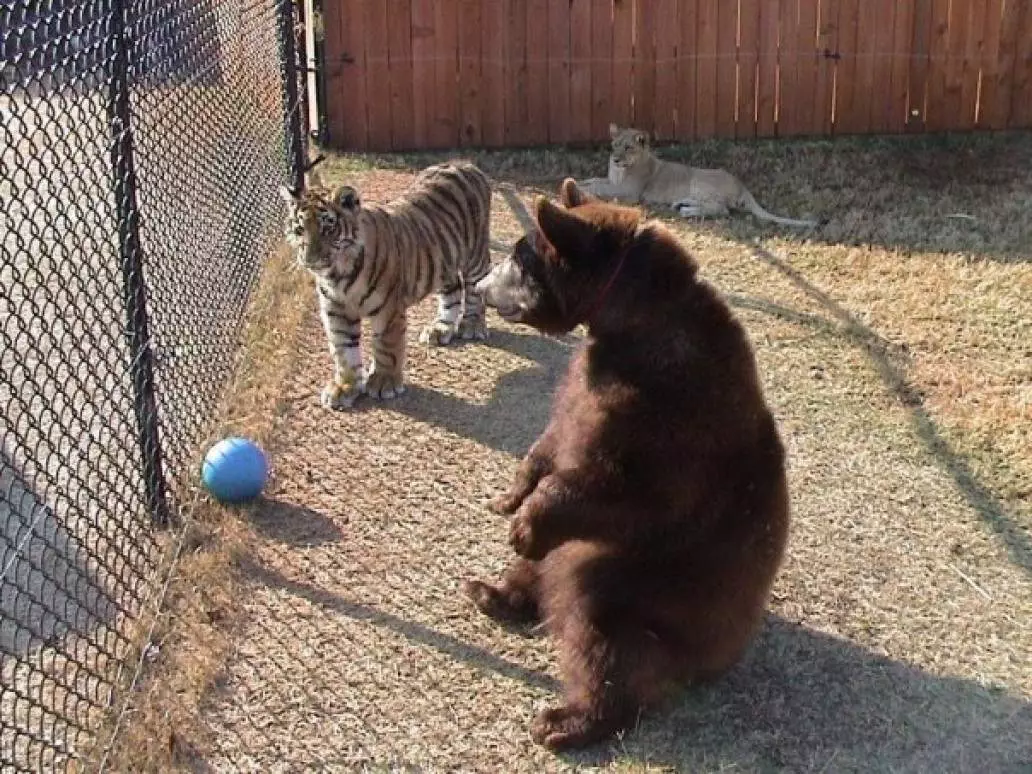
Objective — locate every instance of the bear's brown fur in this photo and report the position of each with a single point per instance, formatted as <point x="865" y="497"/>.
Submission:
<point x="651" y="515"/>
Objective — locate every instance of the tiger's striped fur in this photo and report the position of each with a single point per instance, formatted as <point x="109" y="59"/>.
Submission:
<point x="374" y="261"/>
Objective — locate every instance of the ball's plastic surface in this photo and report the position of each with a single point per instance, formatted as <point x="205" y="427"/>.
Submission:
<point x="235" y="470"/>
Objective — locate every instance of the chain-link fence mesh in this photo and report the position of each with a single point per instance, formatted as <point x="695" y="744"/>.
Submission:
<point x="142" y="143"/>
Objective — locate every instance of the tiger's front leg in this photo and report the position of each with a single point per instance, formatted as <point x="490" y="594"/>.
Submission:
<point x="386" y="380"/>
<point x="344" y="333"/>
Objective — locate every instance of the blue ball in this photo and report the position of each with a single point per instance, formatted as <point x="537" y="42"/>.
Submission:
<point x="235" y="470"/>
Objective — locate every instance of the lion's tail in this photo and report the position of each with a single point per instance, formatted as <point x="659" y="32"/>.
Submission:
<point x="749" y="202"/>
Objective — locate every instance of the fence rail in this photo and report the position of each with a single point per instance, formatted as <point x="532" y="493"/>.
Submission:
<point x="411" y="74"/>
<point x="140" y="149"/>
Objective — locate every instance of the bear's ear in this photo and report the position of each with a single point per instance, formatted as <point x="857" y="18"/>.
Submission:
<point x="568" y="234"/>
<point x="572" y="196"/>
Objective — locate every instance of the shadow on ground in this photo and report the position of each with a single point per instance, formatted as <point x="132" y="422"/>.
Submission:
<point x="888" y="363"/>
<point x="520" y="402"/>
<point x="771" y="712"/>
<point x="292" y="524"/>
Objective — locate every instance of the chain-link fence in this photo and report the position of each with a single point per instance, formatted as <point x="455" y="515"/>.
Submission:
<point x="142" y="143"/>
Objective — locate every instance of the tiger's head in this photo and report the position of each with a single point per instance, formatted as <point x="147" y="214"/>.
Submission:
<point x="323" y="227"/>
<point x="628" y="147"/>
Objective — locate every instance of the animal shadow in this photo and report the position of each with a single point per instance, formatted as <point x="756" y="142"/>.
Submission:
<point x="292" y="524"/>
<point x="802" y="701"/>
<point x="520" y="402"/>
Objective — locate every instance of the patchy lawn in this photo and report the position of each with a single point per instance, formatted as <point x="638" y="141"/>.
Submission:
<point x="895" y="343"/>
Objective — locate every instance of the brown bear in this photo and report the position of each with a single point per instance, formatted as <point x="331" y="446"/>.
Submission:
<point x="651" y="515"/>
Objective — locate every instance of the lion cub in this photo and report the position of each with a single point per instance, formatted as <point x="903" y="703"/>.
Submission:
<point x="636" y="175"/>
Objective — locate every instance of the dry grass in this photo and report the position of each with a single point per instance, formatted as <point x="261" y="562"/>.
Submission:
<point x="900" y="634"/>
<point x="192" y="635"/>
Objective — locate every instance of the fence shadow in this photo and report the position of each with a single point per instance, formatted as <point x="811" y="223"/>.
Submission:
<point x="48" y="588"/>
<point x="886" y="361"/>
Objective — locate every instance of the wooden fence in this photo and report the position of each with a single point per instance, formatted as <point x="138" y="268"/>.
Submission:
<point x="405" y="74"/>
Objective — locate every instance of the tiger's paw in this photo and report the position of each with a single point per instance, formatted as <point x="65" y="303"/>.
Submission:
<point x="339" y="396"/>
<point x="440" y="334"/>
<point x="473" y="329"/>
<point x="384" y="386"/>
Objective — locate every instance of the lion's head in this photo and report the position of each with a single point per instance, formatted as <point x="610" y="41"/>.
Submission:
<point x="628" y="147"/>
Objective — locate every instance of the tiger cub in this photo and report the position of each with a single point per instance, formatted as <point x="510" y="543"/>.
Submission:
<point x="374" y="261"/>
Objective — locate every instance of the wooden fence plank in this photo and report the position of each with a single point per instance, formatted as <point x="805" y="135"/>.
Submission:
<point x="868" y="20"/>
<point x="997" y="96"/>
<point x="601" y="70"/>
<point x="807" y="65"/>
<point x="470" y="60"/>
<point x="1021" y="92"/>
<point x="492" y="74"/>
<point x="767" y="68"/>
<point x="920" y="66"/>
<point x="972" y="65"/>
<point x="727" y="67"/>
<point x="880" y="119"/>
<point x="580" y="70"/>
<point x="953" y="107"/>
<point x="667" y="31"/>
<point x="378" y="75"/>
<point x="706" y="82"/>
<point x="537" y="71"/>
<point x="748" y="53"/>
<point x="399" y="32"/>
<point x="989" y="65"/>
<point x="826" y="37"/>
<point x="351" y="83"/>
<point x="558" y="72"/>
<point x="788" y="54"/>
<point x="938" y="51"/>
<point x="516" y="115"/>
<point x="444" y="131"/>
<point x="422" y="71"/>
<point x="623" y="67"/>
<point x="902" y="36"/>
<point x="645" y="65"/>
<point x="334" y="77"/>
<point x="847" y="70"/>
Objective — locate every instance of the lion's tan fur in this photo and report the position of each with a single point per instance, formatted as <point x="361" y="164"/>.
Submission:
<point x="638" y="176"/>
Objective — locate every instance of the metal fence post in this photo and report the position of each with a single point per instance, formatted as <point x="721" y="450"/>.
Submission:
<point x="141" y="363"/>
<point x="292" y="100"/>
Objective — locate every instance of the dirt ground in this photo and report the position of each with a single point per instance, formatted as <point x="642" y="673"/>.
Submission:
<point x="895" y="344"/>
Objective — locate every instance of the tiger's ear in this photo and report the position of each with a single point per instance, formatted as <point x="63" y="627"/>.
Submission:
<point x="614" y="130"/>
<point x="572" y="196"/>
<point x="569" y="235"/>
<point x="347" y="198"/>
<point x="642" y="138"/>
